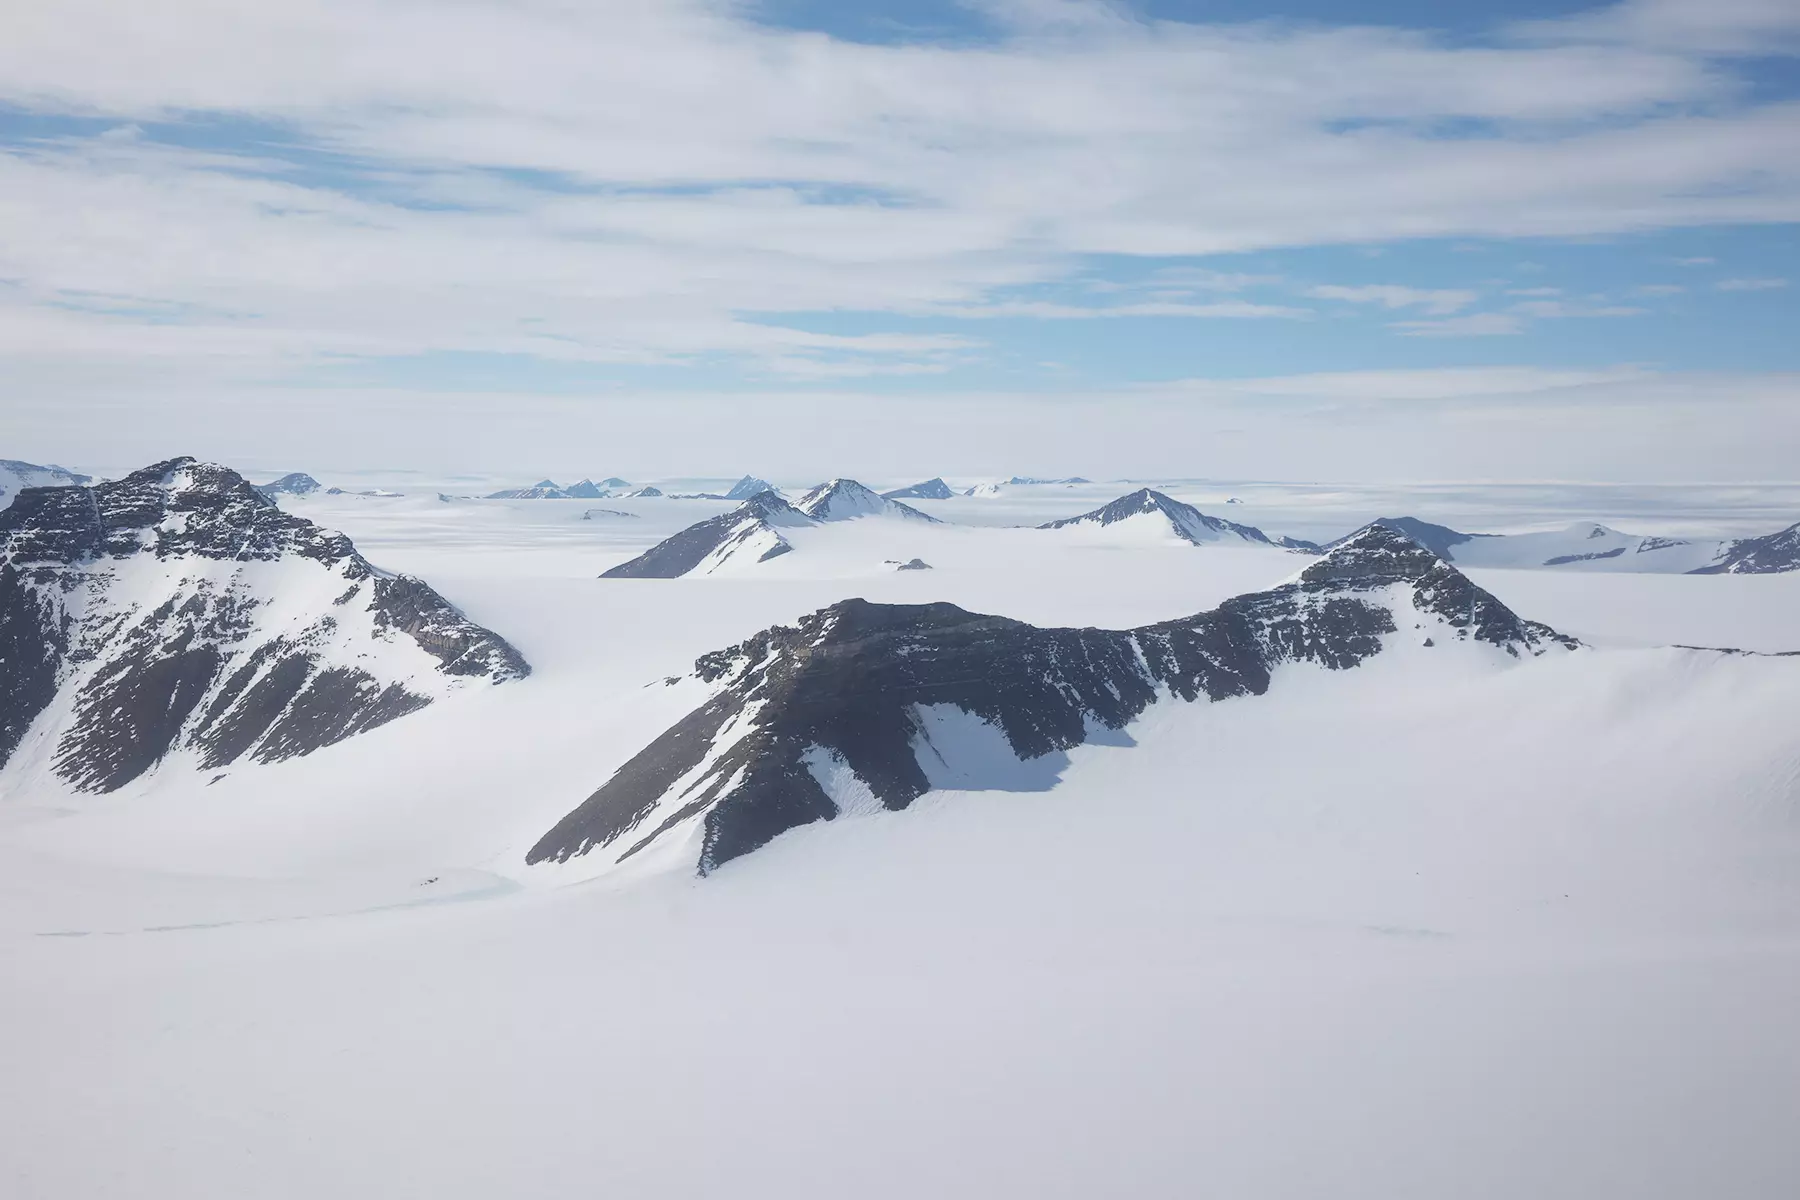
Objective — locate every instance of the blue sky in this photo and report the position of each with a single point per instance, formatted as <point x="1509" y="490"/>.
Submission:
<point x="771" y="198"/>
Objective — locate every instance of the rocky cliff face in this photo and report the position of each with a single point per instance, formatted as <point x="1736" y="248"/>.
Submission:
<point x="179" y="613"/>
<point x="844" y="702"/>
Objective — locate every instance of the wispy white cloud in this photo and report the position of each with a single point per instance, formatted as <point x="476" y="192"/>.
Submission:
<point x="1473" y="325"/>
<point x="1548" y="310"/>
<point x="1750" y="285"/>
<point x="617" y="182"/>
<point x="1437" y="301"/>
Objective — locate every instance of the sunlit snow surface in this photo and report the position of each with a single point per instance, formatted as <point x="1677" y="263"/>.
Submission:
<point x="1432" y="927"/>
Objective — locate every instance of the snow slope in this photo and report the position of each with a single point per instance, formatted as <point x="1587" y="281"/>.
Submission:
<point x="1419" y="929"/>
<point x="15" y="475"/>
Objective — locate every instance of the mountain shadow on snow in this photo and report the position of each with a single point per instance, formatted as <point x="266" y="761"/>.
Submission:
<point x="840" y="709"/>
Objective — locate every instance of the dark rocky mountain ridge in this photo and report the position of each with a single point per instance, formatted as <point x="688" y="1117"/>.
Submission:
<point x="850" y="682"/>
<point x="179" y="609"/>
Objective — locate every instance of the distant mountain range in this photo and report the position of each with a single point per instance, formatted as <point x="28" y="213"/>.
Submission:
<point x="1590" y="546"/>
<point x="177" y="613"/>
<point x="753" y="531"/>
<point x="16" y="476"/>
<point x="864" y="707"/>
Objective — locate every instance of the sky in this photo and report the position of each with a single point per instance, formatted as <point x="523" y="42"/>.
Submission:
<point x="1233" y="238"/>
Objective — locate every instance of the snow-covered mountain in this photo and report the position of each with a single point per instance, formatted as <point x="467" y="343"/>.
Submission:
<point x="931" y="489"/>
<point x="1441" y="540"/>
<point x="644" y="493"/>
<point x="847" y="500"/>
<point x="864" y="707"/>
<point x="1150" y="512"/>
<point x="1029" y="481"/>
<point x="747" y="487"/>
<point x="296" y="483"/>
<point x="16" y="476"/>
<point x="1766" y="555"/>
<point x="1590" y="546"/>
<point x="748" y="534"/>
<point x="587" y="489"/>
<point x="543" y="489"/>
<point x="179" y="615"/>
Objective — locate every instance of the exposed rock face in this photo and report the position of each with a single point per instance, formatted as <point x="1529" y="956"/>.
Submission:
<point x="1767" y="555"/>
<point x="1441" y="540"/>
<point x="852" y="693"/>
<point x="931" y="489"/>
<point x="298" y="483"/>
<point x="846" y="500"/>
<point x="1183" y="520"/>
<point x="749" y="533"/>
<point x="747" y="487"/>
<point x="179" y="610"/>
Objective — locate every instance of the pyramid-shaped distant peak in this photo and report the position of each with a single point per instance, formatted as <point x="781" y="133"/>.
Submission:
<point x="1184" y="520"/>
<point x="846" y="499"/>
<point x="747" y="487"/>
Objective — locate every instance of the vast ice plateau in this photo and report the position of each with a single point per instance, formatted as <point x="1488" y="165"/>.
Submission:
<point x="1447" y="922"/>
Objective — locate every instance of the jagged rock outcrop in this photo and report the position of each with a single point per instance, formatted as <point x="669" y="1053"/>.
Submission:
<point x="749" y="533"/>
<point x="178" y="611"/>
<point x="839" y="710"/>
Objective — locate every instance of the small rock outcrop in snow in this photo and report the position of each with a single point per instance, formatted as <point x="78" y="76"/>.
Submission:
<point x="748" y="534"/>
<point x="860" y="687"/>
<point x="931" y="489"/>
<point x="297" y="483"/>
<point x="179" y="611"/>
<point x="911" y="564"/>
<point x="1152" y="509"/>
<point x="847" y="500"/>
